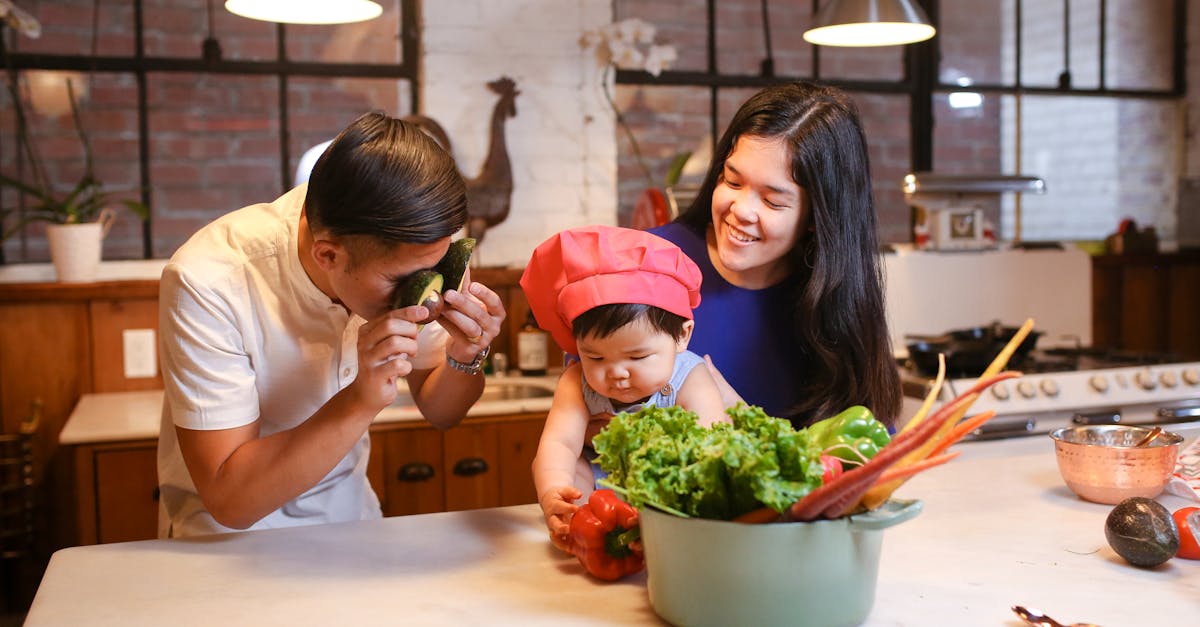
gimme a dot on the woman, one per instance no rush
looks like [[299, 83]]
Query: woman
[[783, 229]]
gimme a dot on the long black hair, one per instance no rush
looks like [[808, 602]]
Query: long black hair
[[386, 179], [838, 308]]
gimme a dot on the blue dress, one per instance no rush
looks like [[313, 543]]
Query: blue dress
[[746, 332]]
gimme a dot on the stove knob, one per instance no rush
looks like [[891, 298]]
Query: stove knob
[[1145, 380], [1049, 387], [1026, 389], [1191, 376], [1098, 383], [1000, 391], [1168, 379]]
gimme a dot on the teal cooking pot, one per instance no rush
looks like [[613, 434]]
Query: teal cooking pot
[[717, 572]]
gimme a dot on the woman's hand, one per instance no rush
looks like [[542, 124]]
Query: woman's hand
[[729, 396], [558, 504], [472, 317], [384, 346]]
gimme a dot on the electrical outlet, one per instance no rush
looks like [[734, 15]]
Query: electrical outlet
[[141, 359]]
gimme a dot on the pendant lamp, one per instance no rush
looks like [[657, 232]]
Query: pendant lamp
[[862, 23], [306, 11]]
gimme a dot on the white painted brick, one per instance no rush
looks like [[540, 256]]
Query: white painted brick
[[563, 151]]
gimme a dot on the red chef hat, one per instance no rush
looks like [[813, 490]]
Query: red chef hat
[[578, 269]]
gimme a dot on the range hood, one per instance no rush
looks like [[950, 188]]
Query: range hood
[[934, 183]]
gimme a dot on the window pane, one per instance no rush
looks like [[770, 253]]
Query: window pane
[[1103, 160], [884, 63], [664, 121], [374, 41], [214, 148], [678, 23], [741, 42], [68, 25], [972, 46], [1140, 44], [179, 28], [889, 147], [109, 119], [319, 108]]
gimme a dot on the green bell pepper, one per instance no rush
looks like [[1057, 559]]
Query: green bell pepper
[[854, 435]]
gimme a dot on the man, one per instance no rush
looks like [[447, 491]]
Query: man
[[279, 343]]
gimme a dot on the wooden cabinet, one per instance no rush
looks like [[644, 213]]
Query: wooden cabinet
[[414, 468], [1147, 303], [484, 462], [117, 491]]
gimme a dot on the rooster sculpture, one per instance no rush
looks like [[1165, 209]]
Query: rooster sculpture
[[489, 195]]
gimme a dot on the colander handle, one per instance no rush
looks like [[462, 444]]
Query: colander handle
[[893, 512]]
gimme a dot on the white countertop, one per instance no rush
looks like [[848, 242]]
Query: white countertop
[[998, 529], [127, 270], [120, 416]]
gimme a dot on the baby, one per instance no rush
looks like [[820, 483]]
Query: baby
[[622, 301]]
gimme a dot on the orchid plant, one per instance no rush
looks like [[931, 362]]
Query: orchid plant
[[84, 201], [629, 44]]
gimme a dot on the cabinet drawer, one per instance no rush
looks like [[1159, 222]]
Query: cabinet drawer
[[472, 467], [126, 494], [412, 472]]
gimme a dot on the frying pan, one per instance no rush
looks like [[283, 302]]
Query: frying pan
[[968, 351]]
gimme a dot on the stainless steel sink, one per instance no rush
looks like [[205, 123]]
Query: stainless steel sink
[[505, 389]]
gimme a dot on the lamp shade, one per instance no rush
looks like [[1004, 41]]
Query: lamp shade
[[306, 11], [862, 23]]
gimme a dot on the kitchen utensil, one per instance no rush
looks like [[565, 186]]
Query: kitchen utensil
[[718, 572], [968, 351], [1035, 617], [1149, 436], [1103, 464]]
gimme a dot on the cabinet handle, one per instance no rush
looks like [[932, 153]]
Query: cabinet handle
[[415, 471], [470, 466], [156, 494]]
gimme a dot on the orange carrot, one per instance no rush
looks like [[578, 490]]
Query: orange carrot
[[894, 473], [961, 430], [758, 516]]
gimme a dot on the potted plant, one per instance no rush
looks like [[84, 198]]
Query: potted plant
[[78, 216]]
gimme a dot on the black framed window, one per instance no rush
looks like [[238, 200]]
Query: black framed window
[[191, 109]]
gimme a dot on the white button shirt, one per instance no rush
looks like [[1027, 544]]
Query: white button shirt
[[245, 335]]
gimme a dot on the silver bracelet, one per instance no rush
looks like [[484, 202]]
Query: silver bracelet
[[472, 368]]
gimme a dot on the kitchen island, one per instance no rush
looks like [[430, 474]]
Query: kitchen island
[[999, 528]]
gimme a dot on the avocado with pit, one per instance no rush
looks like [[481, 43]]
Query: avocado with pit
[[1142, 532], [453, 265], [421, 288]]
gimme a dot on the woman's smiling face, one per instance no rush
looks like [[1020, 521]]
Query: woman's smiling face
[[758, 212]]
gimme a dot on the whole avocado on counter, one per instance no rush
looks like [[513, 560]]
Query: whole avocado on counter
[[1142, 532]]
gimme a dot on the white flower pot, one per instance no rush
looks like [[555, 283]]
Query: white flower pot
[[75, 248]]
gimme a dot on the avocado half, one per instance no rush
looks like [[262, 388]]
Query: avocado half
[[453, 265], [421, 288]]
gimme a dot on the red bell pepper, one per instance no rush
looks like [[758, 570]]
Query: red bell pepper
[[600, 536]]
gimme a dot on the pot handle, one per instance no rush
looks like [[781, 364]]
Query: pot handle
[[106, 218], [893, 512]]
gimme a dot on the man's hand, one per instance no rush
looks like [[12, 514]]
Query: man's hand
[[384, 346], [472, 317]]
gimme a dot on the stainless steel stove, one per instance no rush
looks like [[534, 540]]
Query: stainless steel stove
[[1067, 386]]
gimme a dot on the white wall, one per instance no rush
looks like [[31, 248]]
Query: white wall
[[561, 143]]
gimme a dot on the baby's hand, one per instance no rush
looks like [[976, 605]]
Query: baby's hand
[[558, 505]]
